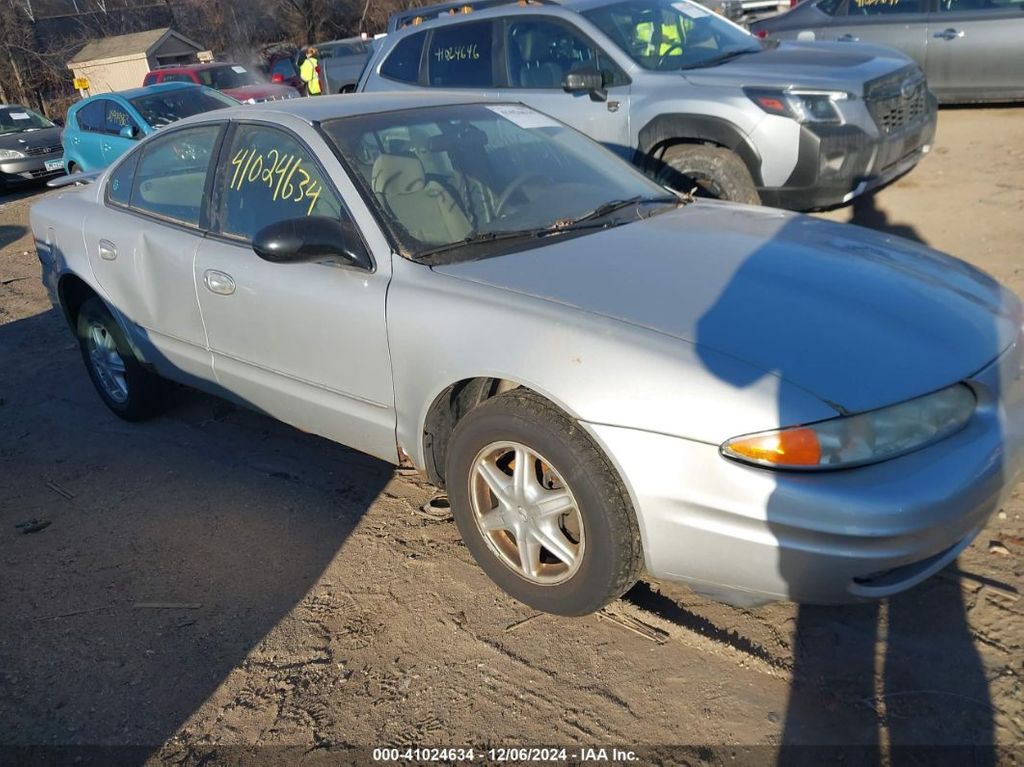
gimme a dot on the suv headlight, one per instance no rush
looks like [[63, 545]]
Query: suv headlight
[[805, 106], [11, 154], [856, 440]]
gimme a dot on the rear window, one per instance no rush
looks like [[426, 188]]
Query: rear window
[[403, 63], [166, 107], [150, 79]]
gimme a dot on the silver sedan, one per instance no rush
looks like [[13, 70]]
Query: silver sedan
[[604, 376]]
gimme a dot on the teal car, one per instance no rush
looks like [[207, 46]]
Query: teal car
[[101, 128]]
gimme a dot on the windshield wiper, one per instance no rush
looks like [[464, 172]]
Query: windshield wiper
[[559, 227], [477, 238], [610, 207], [723, 58]]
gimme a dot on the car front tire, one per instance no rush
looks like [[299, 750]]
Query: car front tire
[[539, 506], [708, 171], [127, 388]]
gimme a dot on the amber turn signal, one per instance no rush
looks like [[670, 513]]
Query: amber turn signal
[[790, 447]]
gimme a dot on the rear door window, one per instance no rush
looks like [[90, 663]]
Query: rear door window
[[93, 116], [119, 186], [459, 56], [171, 178]]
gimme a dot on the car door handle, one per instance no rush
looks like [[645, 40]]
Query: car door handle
[[218, 282], [848, 38], [949, 34], [108, 250]]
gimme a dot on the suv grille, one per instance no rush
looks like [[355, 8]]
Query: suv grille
[[38, 150], [896, 101]]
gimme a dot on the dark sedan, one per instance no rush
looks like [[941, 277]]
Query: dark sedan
[[970, 50], [30, 146]]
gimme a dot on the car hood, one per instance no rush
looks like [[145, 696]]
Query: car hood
[[827, 65], [260, 92], [44, 137], [857, 318]]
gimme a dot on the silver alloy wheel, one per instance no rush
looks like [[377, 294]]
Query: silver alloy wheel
[[107, 362], [526, 513]]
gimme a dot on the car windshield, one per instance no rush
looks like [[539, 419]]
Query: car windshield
[[448, 178], [165, 107], [228, 76], [14, 119], [672, 34]]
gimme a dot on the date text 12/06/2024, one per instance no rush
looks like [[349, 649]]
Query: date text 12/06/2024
[[510, 754]]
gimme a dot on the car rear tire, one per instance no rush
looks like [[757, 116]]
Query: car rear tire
[[539, 506], [708, 171], [127, 388]]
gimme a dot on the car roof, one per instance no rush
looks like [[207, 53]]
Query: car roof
[[436, 13], [321, 108], [132, 93], [196, 67]]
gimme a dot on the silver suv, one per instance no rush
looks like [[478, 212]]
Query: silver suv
[[693, 99]]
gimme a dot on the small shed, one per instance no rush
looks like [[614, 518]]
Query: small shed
[[120, 62]]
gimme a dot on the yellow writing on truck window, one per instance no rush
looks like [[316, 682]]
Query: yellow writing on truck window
[[281, 173], [458, 53], [869, 3]]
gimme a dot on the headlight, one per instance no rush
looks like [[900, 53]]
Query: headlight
[[860, 439], [801, 105], [11, 154]]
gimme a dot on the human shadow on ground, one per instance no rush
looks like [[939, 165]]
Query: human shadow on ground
[[855, 318]]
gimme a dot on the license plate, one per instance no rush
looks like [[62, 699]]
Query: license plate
[[54, 164]]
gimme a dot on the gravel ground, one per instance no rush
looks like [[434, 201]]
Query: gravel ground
[[215, 578]]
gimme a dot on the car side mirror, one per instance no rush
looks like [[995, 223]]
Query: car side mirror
[[584, 80], [310, 239], [129, 131], [277, 78]]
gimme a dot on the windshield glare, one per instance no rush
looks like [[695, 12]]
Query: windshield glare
[[160, 109], [670, 34], [18, 119], [440, 175], [227, 77]]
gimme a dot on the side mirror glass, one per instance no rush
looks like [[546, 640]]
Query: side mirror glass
[[584, 80], [129, 131], [310, 239]]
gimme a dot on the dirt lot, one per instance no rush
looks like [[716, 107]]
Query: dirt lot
[[213, 577]]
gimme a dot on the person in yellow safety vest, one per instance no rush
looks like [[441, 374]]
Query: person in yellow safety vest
[[670, 38], [309, 72]]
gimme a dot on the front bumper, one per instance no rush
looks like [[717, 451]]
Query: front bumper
[[30, 169], [745, 535], [839, 162]]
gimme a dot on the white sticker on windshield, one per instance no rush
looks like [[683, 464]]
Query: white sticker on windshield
[[19, 115], [524, 117], [240, 70], [690, 10]]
